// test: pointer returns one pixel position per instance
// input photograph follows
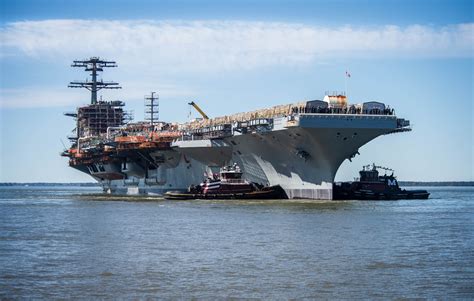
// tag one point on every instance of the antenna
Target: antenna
(152, 108)
(94, 65)
(63, 143)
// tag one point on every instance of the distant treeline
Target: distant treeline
(414, 183)
(51, 184)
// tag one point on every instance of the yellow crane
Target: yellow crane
(192, 103)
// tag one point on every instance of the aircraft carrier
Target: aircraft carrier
(299, 146)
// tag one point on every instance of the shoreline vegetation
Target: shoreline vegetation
(92, 184)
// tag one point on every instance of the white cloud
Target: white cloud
(216, 45)
(151, 51)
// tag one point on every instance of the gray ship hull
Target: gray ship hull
(167, 171)
(301, 155)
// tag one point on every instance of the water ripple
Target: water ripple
(60, 242)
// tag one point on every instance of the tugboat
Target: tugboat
(372, 186)
(228, 185)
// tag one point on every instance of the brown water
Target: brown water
(58, 242)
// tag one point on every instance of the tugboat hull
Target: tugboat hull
(380, 196)
(266, 193)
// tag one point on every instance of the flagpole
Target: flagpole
(345, 84)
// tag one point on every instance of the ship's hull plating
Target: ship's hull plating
(302, 157)
(303, 161)
(168, 171)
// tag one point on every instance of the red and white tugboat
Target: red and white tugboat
(371, 186)
(229, 184)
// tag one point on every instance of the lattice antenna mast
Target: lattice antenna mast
(94, 65)
(152, 107)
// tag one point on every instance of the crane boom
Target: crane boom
(192, 103)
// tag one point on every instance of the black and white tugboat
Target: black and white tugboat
(229, 184)
(372, 186)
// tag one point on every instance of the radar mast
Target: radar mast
(152, 108)
(94, 65)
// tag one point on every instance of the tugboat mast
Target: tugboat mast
(94, 65)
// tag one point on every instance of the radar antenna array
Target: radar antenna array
(152, 108)
(94, 65)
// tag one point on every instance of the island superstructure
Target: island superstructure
(298, 146)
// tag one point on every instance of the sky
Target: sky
(235, 56)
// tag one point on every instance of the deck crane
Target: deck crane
(192, 103)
